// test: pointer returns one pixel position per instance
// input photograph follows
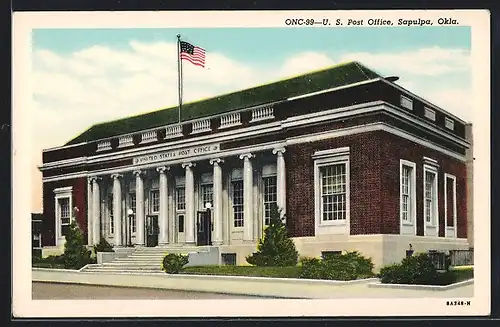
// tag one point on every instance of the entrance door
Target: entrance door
(152, 231)
(204, 228)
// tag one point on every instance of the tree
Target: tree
(76, 254)
(275, 248)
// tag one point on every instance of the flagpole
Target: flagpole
(179, 71)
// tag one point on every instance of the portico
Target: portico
(166, 197)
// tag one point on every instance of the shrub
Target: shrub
(348, 266)
(417, 269)
(173, 263)
(275, 248)
(75, 254)
(311, 268)
(103, 246)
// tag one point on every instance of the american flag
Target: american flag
(193, 54)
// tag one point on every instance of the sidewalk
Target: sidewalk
(267, 287)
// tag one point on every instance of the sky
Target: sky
(81, 77)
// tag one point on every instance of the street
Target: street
(59, 291)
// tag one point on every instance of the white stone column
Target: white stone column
(117, 208)
(139, 208)
(247, 197)
(281, 179)
(96, 211)
(217, 198)
(90, 213)
(163, 219)
(190, 208)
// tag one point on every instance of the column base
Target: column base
(217, 243)
(191, 243)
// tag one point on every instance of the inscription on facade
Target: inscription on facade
(178, 154)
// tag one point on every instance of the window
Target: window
(65, 215)
(406, 102)
(154, 196)
(449, 123)
(270, 196)
(132, 205)
(430, 114)
(407, 195)
(430, 197)
(450, 205)
(207, 194)
(110, 214)
(238, 203)
(329, 254)
(228, 258)
(63, 212)
(333, 192)
(180, 195)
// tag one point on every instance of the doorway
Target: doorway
(204, 228)
(152, 230)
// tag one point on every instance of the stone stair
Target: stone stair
(142, 260)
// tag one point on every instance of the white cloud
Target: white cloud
(305, 62)
(432, 61)
(74, 91)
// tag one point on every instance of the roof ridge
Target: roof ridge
(343, 73)
(237, 91)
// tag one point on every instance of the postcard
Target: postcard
(272, 163)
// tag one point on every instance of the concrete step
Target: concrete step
(139, 259)
(141, 271)
(131, 264)
(131, 267)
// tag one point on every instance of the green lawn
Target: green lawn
(253, 271)
(48, 265)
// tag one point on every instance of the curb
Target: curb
(422, 287)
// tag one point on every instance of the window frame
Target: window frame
(265, 195)
(152, 202)
(428, 169)
(203, 193)
(110, 213)
(448, 121)
(402, 100)
(412, 222)
(134, 208)
(322, 159)
(242, 205)
(455, 207)
(59, 194)
(432, 112)
(177, 202)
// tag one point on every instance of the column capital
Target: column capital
(162, 169)
(138, 172)
(279, 151)
(216, 161)
(246, 156)
(94, 179)
(188, 164)
(116, 176)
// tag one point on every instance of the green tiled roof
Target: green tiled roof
(335, 76)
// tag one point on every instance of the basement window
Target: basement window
(229, 259)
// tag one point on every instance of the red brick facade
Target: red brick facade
(79, 201)
(374, 183)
